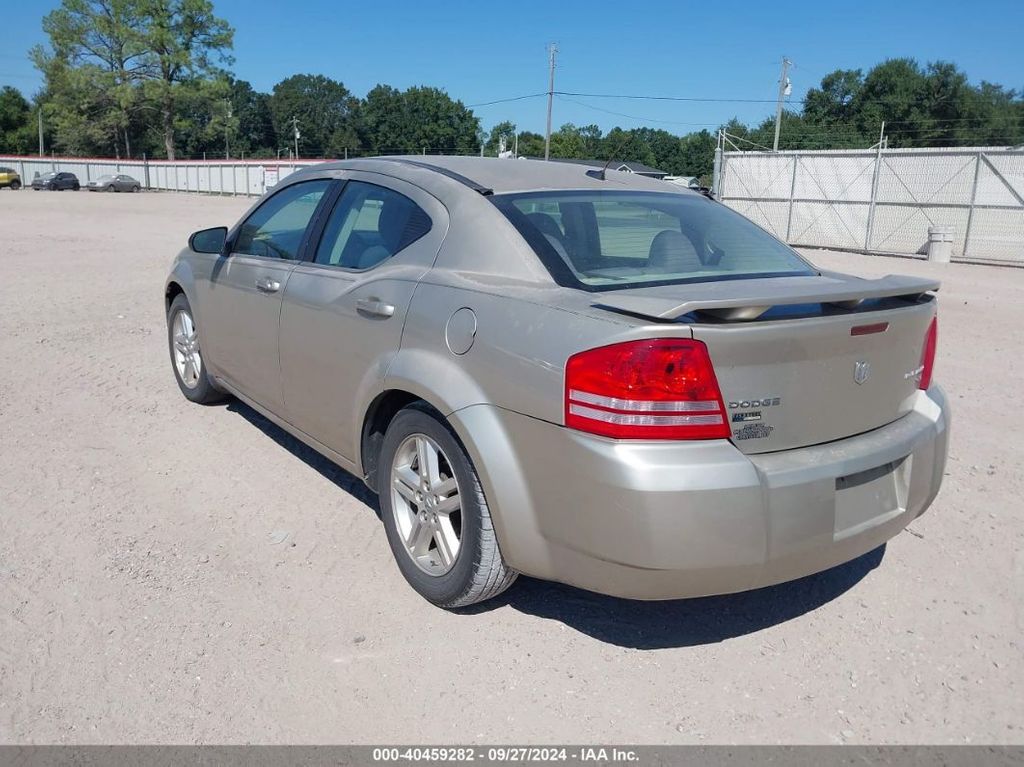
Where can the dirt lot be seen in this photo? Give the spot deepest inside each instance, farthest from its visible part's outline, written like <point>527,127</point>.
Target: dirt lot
<point>173,573</point>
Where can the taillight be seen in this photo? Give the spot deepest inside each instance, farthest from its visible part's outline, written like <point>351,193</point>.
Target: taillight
<point>928,354</point>
<point>663,388</point>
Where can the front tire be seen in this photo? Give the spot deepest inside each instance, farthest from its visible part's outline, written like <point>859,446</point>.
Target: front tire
<point>15,186</point>
<point>186,358</point>
<point>435,514</point>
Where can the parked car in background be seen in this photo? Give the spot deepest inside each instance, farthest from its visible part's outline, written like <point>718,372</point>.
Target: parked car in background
<point>56,182</point>
<point>9,178</point>
<point>111,183</point>
<point>594,378</point>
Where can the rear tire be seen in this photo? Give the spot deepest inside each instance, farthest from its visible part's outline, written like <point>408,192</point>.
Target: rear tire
<point>186,359</point>
<point>436,519</point>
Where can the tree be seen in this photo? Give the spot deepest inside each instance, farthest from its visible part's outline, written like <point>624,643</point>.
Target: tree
<point>183,41</point>
<point>697,154</point>
<point>255,132</point>
<point>324,108</point>
<point>834,103</point>
<point>15,122</point>
<point>506,129</point>
<point>97,59</point>
<point>113,63</point>
<point>531,144</point>
<point>393,121</point>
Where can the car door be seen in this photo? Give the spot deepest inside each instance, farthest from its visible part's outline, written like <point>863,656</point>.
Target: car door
<point>344,308</point>
<point>242,306</point>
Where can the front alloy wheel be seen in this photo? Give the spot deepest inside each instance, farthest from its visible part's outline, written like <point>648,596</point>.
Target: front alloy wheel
<point>187,360</point>
<point>186,356</point>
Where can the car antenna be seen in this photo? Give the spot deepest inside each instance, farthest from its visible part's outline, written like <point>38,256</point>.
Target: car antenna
<point>599,174</point>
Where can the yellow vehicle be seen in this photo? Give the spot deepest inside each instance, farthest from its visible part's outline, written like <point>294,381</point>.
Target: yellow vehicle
<point>9,177</point>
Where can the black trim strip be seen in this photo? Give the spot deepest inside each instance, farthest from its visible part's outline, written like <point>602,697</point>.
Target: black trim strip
<point>315,230</point>
<point>464,180</point>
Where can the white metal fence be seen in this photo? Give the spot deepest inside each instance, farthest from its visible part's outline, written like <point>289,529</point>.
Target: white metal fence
<point>241,177</point>
<point>884,200</point>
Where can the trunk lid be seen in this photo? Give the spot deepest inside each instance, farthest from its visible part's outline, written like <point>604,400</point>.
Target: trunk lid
<point>801,360</point>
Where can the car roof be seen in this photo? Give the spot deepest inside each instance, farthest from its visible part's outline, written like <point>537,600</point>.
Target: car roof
<point>491,174</point>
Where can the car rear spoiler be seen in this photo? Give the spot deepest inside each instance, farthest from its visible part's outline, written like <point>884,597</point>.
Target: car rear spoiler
<point>747,299</point>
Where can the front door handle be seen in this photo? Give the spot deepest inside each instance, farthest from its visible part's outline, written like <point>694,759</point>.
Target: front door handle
<point>375,307</point>
<point>267,285</point>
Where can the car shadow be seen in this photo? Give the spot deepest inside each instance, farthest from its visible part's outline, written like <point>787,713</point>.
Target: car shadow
<point>682,622</point>
<point>623,622</point>
<point>345,480</point>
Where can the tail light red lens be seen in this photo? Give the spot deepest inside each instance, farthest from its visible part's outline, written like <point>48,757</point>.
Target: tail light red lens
<point>928,354</point>
<point>663,388</point>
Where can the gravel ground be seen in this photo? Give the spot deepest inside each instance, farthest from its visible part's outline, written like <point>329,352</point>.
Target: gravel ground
<point>174,573</point>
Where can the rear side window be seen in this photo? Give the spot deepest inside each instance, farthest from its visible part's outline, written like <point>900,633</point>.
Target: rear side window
<point>368,225</point>
<point>615,240</point>
<point>276,229</point>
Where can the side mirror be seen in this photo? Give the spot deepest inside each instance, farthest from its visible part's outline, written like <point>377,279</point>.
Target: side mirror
<point>209,240</point>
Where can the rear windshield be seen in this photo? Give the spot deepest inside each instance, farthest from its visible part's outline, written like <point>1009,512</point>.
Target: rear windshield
<point>613,240</point>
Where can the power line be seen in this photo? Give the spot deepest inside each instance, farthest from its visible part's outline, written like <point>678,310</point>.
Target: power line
<point>505,101</point>
<point>639,97</point>
<point>635,117</point>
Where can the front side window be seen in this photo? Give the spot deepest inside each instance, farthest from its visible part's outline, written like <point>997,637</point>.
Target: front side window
<point>369,224</point>
<point>276,229</point>
<point>614,240</point>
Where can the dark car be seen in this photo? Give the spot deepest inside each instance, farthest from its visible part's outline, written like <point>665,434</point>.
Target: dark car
<point>56,182</point>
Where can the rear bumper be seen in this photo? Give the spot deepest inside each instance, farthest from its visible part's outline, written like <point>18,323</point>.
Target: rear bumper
<point>651,520</point>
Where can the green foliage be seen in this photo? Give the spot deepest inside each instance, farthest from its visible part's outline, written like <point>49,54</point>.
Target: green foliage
<point>325,111</point>
<point>254,121</point>
<point>112,65</point>
<point>506,129</point>
<point>393,122</point>
<point>16,122</point>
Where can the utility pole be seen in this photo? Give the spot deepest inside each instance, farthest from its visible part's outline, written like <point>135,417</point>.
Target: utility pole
<point>41,150</point>
<point>295,128</point>
<point>552,50</point>
<point>227,122</point>
<point>783,87</point>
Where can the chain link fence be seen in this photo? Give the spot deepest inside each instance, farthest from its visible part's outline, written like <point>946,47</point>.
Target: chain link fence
<point>884,200</point>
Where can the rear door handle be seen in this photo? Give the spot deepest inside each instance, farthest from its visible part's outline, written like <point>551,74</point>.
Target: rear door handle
<point>267,285</point>
<point>375,307</point>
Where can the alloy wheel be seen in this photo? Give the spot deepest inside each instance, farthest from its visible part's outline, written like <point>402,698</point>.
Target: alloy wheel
<point>187,360</point>
<point>427,505</point>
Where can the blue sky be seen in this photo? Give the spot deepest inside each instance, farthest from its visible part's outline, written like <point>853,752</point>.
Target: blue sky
<point>480,52</point>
